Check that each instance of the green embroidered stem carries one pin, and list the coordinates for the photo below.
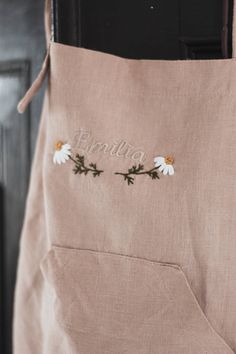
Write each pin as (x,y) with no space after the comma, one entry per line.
(82,169)
(138,170)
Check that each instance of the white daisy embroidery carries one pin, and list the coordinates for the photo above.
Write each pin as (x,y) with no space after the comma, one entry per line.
(165,165)
(62,152)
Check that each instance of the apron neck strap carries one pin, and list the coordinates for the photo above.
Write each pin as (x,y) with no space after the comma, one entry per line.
(234,31)
(48,21)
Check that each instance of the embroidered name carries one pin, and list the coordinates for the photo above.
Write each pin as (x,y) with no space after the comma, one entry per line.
(85,143)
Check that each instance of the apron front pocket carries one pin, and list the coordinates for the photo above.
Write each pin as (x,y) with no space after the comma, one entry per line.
(110,303)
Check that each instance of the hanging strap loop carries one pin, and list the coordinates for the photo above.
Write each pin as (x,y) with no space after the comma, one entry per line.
(36,85)
(32,91)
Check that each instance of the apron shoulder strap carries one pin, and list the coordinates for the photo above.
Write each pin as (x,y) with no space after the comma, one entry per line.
(37,83)
(234,30)
(48,21)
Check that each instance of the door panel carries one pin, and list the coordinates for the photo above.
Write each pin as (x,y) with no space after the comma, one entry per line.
(152,29)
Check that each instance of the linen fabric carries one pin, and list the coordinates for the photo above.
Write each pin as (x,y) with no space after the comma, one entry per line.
(149,267)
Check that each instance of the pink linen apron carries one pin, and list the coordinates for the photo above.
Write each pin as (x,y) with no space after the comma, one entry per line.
(129,238)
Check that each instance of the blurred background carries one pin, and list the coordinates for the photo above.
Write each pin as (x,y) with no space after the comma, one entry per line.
(22,49)
(150,29)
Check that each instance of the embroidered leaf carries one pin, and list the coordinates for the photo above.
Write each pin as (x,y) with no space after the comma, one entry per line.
(79,159)
(96,173)
(140,168)
(93,165)
(136,169)
(153,175)
(80,167)
(130,180)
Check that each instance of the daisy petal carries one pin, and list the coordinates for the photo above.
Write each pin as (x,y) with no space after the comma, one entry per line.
(159,160)
(63,154)
(66,146)
(58,157)
(162,167)
(59,160)
(54,158)
(171,170)
(65,150)
(166,170)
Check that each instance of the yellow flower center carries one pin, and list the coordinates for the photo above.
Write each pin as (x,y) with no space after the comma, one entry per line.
(169,160)
(58,145)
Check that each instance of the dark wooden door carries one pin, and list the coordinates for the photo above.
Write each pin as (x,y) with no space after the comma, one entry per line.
(21,51)
(151,29)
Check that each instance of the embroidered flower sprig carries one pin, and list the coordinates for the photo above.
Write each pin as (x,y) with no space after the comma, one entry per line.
(162,164)
(136,171)
(63,153)
(82,169)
